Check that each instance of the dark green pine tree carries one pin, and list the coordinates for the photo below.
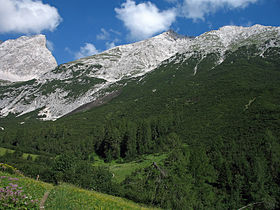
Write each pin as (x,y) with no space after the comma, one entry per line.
(111,143)
(129,147)
(144,137)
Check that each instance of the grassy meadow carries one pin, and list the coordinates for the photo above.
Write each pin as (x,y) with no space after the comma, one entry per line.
(3,151)
(65,196)
(121,170)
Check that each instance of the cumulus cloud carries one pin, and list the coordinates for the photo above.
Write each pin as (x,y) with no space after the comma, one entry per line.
(198,9)
(145,19)
(87,50)
(27,16)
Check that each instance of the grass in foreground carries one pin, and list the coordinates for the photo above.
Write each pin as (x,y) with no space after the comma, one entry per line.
(30,186)
(69,197)
(66,196)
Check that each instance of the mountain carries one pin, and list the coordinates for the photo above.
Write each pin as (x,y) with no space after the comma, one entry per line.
(198,130)
(76,83)
(91,81)
(25,58)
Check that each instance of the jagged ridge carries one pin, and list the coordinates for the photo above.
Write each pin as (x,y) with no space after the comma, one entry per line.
(74,84)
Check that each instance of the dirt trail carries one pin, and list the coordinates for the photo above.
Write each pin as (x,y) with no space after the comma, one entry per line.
(45,197)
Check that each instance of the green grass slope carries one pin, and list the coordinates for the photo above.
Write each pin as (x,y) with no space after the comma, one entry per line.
(70,197)
(65,196)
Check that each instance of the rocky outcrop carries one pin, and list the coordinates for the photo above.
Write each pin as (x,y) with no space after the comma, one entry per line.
(25,58)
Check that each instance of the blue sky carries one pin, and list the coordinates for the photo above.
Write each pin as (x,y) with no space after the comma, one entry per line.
(80,28)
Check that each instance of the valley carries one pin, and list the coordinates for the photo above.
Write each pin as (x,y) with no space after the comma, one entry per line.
(195,127)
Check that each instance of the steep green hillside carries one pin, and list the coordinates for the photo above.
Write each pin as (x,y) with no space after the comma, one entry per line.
(63,196)
(218,125)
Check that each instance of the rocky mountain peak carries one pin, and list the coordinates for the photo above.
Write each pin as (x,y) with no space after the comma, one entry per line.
(229,35)
(134,59)
(25,58)
(87,80)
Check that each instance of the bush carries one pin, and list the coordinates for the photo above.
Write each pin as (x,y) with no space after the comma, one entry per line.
(9,169)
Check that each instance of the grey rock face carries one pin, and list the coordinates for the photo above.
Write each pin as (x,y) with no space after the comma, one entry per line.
(74,84)
(25,58)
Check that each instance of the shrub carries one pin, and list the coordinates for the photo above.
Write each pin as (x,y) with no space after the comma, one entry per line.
(9,169)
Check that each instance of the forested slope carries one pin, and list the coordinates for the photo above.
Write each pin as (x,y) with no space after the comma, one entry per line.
(219,128)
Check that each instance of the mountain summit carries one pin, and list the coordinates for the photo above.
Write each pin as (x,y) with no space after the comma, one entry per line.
(88,80)
(25,58)
(134,59)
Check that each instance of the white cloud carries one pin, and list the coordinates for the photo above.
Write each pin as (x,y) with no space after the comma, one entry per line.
(50,45)
(103,35)
(198,9)
(27,16)
(145,19)
(87,50)
(110,45)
